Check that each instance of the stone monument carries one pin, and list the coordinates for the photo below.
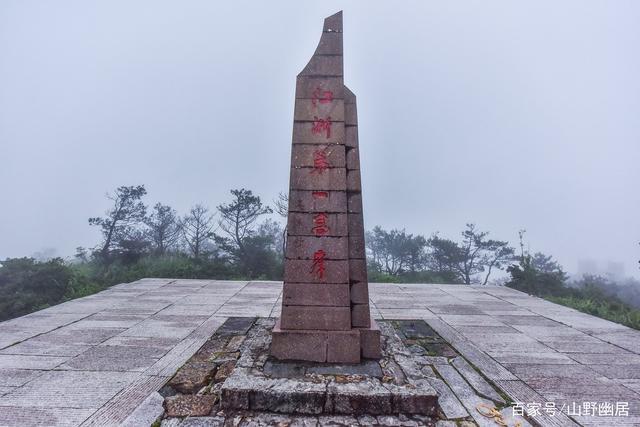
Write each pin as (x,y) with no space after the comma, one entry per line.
(325,303)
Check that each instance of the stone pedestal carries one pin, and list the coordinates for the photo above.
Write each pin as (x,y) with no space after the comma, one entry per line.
(325,303)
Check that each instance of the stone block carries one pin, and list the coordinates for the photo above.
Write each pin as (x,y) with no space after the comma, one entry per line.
(312,224)
(353,158)
(333,23)
(332,179)
(316,202)
(192,377)
(334,294)
(356,245)
(359,293)
(358,270)
(306,86)
(343,346)
(323,65)
(303,247)
(309,110)
(330,44)
(303,133)
(351,136)
(189,405)
(351,115)
(298,345)
(289,398)
(355,223)
(360,316)
(305,155)
(360,398)
(304,271)
(353,180)
(354,202)
(370,341)
(316,318)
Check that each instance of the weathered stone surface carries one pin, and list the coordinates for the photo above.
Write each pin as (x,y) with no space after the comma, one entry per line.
(353,159)
(370,341)
(299,345)
(303,133)
(354,202)
(322,173)
(358,270)
(189,405)
(146,413)
(310,294)
(343,346)
(304,247)
(351,136)
(331,179)
(192,376)
(308,156)
(353,181)
(308,224)
(360,317)
(306,86)
(324,202)
(318,318)
(359,293)
(312,109)
(323,65)
(356,245)
(481,386)
(303,271)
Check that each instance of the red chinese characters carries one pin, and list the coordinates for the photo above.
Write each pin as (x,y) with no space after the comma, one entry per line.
(320,161)
(321,96)
(321,126)
(317,268)
(320,194)
(320,226)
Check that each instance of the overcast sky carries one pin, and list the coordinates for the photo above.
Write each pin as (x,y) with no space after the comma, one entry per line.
(507,114)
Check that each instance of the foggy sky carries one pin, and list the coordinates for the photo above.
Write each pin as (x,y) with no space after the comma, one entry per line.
(507,114)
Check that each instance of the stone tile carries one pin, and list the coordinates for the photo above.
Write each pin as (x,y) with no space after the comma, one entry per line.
(146,413)
(469,399)
(470,320)
(115,358)
(606,359)
(529,371)
(479,384)
(618,371)
(80,336)
(18,377)
(583,345)
(10,361)
(69,389)
(548,358)
(21,416)
(161,329)
(456,309)
(38,347)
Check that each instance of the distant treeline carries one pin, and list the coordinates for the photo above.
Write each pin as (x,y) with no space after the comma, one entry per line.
(244,238)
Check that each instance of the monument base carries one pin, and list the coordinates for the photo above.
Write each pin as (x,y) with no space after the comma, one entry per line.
(349,346)
(260,382)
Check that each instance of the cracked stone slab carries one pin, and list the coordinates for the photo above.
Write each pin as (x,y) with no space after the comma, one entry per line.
(482,387)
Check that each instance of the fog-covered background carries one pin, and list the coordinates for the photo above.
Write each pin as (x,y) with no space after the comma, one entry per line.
(507,114)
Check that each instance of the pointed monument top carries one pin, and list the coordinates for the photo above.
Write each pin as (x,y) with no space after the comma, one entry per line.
(333,23)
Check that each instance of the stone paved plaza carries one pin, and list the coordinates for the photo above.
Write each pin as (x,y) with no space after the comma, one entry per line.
(94,360)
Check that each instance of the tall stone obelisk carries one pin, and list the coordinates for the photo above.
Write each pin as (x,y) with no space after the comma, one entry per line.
(325,303)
